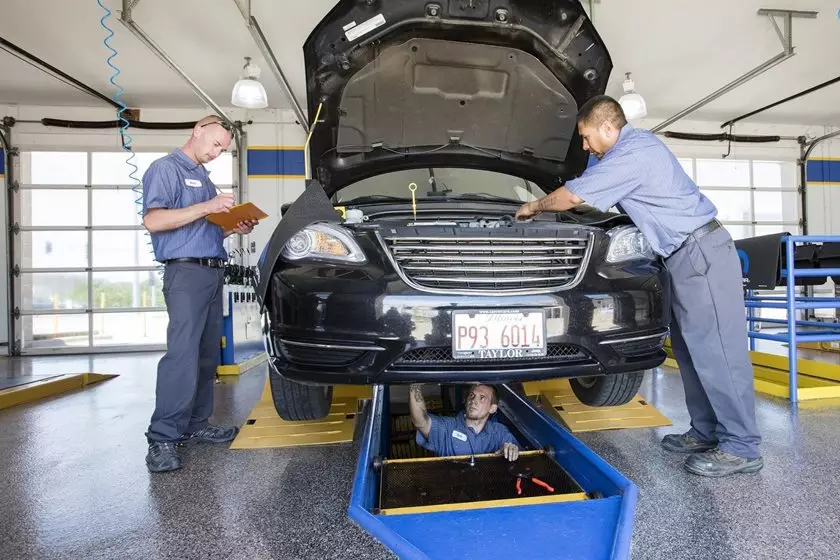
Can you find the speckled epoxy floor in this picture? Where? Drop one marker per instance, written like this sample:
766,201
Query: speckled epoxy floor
74,484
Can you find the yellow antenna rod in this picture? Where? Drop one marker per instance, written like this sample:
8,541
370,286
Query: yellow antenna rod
307,171
413,187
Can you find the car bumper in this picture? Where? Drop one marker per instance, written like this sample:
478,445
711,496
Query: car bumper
389,333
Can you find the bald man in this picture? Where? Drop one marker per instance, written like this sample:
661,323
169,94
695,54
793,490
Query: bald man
177,197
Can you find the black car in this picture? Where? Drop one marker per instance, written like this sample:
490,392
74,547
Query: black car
437,121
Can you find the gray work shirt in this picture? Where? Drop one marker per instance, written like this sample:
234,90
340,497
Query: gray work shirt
450,437
642,175
176,181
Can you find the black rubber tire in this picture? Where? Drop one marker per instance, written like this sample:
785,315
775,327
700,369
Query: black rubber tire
295,401
608,390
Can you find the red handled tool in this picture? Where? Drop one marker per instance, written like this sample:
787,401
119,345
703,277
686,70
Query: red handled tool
526,474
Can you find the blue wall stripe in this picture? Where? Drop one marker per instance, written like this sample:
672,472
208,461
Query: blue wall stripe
823,171
2,162
274,162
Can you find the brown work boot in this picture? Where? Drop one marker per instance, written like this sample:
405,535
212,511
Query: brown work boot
717,463
686,443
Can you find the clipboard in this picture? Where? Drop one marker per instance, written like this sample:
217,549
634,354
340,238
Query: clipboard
228,220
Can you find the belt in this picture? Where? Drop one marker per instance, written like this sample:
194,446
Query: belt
212,263
698,234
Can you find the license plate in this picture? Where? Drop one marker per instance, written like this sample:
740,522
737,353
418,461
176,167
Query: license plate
498,334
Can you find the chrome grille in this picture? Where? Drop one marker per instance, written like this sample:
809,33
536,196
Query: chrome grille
489,263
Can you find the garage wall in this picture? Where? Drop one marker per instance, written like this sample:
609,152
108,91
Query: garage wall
276,166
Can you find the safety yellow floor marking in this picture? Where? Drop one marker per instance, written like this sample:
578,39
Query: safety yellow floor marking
815,379
264,429
48,387
238,369
558,399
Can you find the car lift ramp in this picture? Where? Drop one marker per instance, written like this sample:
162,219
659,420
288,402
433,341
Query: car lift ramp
588,516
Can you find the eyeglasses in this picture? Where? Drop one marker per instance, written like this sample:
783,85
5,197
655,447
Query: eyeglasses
223,124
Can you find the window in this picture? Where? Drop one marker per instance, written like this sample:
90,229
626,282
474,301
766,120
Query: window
753,197
86,273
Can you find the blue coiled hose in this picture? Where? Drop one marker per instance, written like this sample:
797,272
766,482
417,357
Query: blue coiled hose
124,137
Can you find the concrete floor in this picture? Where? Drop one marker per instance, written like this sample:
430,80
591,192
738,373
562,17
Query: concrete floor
75,485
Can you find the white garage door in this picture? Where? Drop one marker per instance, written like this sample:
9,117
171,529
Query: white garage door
86,277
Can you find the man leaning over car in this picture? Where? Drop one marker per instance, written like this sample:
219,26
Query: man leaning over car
635,170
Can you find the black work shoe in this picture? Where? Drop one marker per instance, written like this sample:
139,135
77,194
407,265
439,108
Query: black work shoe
716,463
163,457
210,434
685,443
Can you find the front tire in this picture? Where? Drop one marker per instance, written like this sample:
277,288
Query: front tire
295,401
607,390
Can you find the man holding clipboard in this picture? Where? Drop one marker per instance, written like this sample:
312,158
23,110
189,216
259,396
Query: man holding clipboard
182,209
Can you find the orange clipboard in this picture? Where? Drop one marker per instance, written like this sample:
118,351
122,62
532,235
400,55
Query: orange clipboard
238,213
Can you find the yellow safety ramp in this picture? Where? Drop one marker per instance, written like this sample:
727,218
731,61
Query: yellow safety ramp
41,387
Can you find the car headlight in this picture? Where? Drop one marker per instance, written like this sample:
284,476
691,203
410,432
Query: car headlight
627,243
323,242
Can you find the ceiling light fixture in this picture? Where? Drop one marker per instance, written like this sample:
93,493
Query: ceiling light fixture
631,102
248,92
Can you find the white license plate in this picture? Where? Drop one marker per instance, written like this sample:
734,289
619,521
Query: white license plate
498,334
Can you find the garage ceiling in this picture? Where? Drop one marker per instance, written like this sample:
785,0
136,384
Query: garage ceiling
678,52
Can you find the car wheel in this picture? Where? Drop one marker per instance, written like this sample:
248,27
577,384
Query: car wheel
607,390
296,401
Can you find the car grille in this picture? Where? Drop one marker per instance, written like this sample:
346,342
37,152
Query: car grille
304,356
489,263
442,355
637,348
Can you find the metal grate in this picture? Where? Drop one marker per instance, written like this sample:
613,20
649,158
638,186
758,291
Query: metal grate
454,481
489,264
432,355
320,356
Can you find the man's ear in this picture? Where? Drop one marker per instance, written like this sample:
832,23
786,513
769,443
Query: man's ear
494,408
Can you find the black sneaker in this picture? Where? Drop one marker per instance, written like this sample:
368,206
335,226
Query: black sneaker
685,443
716,463
163,457
210,434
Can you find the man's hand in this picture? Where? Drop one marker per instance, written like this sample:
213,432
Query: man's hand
245,227
528,210
222,203
417,406
510,451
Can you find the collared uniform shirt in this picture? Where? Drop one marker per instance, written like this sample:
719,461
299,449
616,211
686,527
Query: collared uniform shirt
642,175
450,436
176,181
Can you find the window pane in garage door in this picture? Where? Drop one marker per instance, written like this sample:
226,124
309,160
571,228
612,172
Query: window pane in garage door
774,174
719,173
127,289
739,232
122,248
46,291
111,168
111,329
58,168
781,206
49,207
116,208
55,331
221,169
732,206
54,249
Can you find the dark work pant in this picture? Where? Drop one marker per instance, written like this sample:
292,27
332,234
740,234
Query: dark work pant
187,372
709,340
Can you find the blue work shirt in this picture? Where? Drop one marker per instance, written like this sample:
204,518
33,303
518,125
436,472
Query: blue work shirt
450,436
642,175
176,181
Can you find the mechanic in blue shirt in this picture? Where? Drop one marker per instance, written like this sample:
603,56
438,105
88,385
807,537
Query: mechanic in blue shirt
471,432
177,197
708,328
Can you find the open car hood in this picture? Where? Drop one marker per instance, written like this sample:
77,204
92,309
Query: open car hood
489,84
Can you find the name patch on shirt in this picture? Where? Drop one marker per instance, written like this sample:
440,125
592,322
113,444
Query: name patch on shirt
192,182
459,435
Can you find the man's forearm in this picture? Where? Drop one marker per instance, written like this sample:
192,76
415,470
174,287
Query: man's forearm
558,201
164,219
417,405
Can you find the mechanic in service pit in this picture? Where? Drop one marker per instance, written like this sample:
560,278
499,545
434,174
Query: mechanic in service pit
471,432
636,172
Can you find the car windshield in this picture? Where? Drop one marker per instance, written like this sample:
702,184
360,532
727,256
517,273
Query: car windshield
443,182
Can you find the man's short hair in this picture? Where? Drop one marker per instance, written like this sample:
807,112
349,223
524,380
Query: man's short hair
600,109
